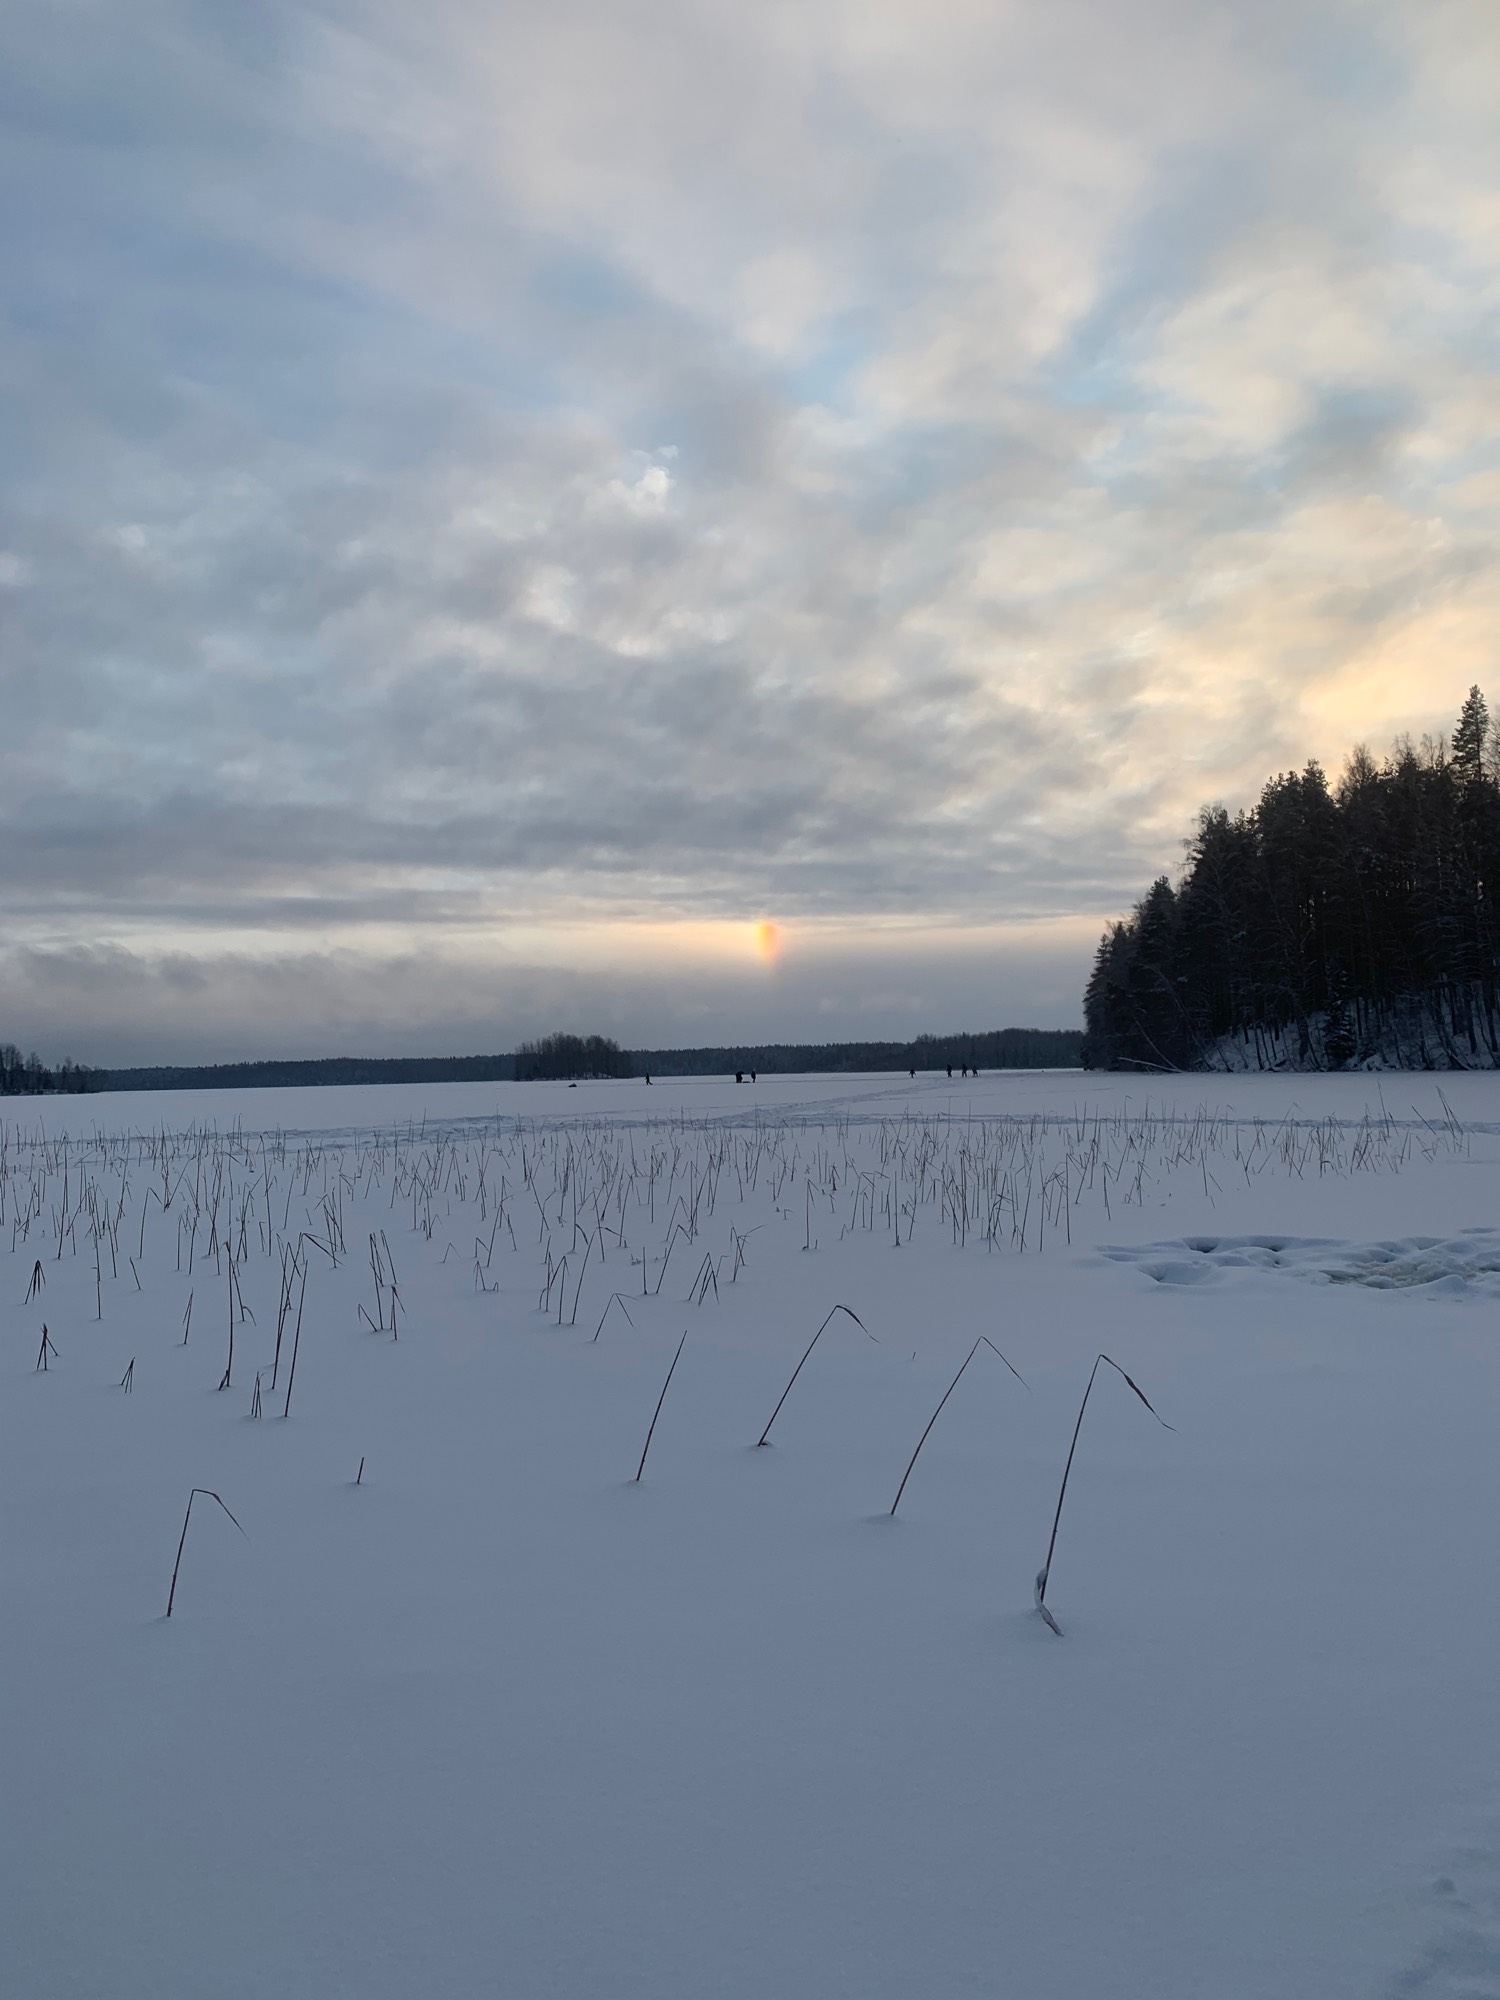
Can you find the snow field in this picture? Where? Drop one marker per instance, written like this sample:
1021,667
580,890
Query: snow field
498,1719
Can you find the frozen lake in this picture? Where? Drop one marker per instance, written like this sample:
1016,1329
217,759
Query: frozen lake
500,1719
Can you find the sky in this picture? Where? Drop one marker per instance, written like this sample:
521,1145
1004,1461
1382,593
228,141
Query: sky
701,522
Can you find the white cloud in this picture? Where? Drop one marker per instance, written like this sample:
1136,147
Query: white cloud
1074,412
644,496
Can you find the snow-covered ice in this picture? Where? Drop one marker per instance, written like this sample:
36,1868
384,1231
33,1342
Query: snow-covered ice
1469,1261
499,1720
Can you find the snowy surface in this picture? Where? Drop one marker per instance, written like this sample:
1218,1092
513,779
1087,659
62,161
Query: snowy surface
499,1720
1469,1261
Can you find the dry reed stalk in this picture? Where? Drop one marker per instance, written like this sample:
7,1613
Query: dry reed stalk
172,1593
288,1272
765,1434
657,1411
1046,1568
983,1341
395,1289
613,1299
229,1365
291,1374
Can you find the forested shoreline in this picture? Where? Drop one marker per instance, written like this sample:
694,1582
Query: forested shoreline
1327,927
566,1056
29,1076
996,1048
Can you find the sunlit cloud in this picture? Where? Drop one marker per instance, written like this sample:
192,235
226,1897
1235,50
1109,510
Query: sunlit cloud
501,491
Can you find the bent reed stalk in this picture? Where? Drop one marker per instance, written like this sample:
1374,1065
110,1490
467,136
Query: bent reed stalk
983,1341
182,1538
765,1434
1046,1569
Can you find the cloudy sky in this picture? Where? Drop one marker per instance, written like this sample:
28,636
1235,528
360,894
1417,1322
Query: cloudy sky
500,499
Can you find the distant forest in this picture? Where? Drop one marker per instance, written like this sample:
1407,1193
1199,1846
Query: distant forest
569,1056
558,1056
999,1048
1326,927
29,1076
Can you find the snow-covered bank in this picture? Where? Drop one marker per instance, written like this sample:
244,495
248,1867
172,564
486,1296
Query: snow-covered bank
498,1719
1451,1030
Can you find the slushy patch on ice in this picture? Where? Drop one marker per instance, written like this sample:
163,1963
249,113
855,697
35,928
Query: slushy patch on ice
1468,1263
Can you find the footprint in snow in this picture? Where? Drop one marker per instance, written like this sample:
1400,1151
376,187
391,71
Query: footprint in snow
1465,1264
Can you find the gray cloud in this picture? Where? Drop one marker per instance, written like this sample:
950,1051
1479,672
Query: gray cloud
576,466
214,1007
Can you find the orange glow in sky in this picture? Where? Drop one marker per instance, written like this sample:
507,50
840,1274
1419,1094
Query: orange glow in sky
768,941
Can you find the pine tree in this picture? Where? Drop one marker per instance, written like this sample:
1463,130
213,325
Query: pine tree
1470,734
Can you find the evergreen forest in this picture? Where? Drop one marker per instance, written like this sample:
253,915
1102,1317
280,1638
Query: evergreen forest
29,1076
567,1056
1325,927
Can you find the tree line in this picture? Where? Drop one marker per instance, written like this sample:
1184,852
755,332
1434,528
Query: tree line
314,1071
994,1048
29,1076
571,1056
565,1056
1325,926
